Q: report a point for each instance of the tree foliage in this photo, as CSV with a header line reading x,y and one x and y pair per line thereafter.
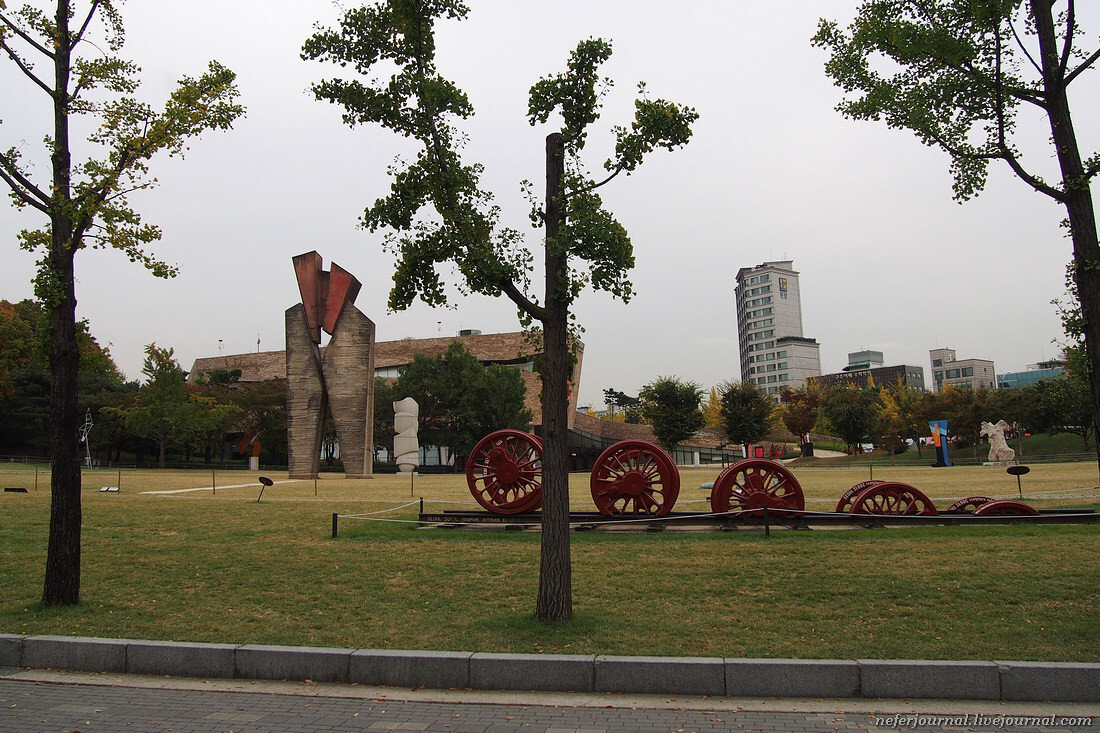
x,y
746,412
671,406
85,203
800,408
460,400
437,215
852,413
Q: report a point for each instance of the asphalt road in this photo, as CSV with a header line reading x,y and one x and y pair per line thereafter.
x,y
41,700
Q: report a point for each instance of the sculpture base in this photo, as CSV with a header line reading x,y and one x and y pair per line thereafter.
x,y
999,464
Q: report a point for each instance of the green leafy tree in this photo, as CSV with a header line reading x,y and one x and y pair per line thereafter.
x,y
746,412
800,408
852,413
437,213
671,406
460,400
165,411
712,410
957,74
85,203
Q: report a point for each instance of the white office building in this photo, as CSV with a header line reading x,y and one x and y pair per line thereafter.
x,y
774,352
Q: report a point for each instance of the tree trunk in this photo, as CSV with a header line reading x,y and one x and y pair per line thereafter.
x,y
1077,197
62,579
555,598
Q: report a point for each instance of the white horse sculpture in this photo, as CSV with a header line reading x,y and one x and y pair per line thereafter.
x,y
999,452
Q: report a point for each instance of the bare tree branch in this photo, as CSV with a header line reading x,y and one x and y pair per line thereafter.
x,y
1084,65
84,26
8,167
26,38
25,69
22,193
1020,43
522,301
1067,47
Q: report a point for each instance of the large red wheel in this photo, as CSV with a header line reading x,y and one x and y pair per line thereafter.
x,y
849,496
892,497
504,472
969,504
756,483
1005,507
635,477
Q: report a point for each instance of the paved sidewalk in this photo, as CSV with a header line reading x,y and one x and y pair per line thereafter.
x,y
54,701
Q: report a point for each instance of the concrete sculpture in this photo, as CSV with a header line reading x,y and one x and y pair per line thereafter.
x,y
340,380
406,447
999,452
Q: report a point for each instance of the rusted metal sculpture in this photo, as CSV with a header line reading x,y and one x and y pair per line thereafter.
x,y
754,484
894,498
634,477
340,381
504,472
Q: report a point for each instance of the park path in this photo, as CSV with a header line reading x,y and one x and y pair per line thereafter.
x,y
50,701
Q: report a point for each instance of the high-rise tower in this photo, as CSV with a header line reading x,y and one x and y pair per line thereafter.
x,y
774,353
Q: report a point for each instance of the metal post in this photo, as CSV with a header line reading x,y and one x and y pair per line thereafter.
x,y
334,520
36,478
213,482
422,505
872,471
767,525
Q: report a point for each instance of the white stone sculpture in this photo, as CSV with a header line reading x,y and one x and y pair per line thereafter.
x,y
406,447
999,452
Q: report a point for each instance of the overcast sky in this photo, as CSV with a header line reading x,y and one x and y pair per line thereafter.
x,y
887,260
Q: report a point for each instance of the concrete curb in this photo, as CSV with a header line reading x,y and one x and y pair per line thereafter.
x,y
833,678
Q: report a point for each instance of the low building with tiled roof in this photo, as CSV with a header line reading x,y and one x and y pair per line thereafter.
x,y
514,349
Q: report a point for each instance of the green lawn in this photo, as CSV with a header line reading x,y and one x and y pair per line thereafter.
x,y
197,566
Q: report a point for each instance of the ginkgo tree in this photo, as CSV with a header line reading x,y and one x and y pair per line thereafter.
x,y
69,59
437,214
960,74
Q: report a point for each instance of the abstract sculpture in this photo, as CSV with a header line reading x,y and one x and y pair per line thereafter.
x,y
999,452
340,380
406,448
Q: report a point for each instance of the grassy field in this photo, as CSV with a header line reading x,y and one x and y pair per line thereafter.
x,y
203,566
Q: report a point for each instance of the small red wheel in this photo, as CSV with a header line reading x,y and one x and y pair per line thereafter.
x,y
634,477
894,498
1005,507
753,484
846,499
969,504
504,472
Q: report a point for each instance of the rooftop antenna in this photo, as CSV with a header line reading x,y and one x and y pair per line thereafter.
x,y
257,343
439,326
221,345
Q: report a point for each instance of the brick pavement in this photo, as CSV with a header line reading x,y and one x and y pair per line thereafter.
x,y
35,705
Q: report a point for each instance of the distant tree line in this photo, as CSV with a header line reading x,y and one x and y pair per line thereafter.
x,y
892,417
217,418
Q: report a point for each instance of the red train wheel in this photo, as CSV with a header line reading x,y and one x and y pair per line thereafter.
x,y
756,483
892,497
846,499
1005,507
504,472
969,504
635,477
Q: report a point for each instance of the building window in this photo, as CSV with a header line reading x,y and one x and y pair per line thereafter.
x,y
937,362
952,373
968,371
938,376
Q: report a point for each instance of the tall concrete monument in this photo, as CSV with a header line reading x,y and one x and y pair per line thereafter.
x,y
340,380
